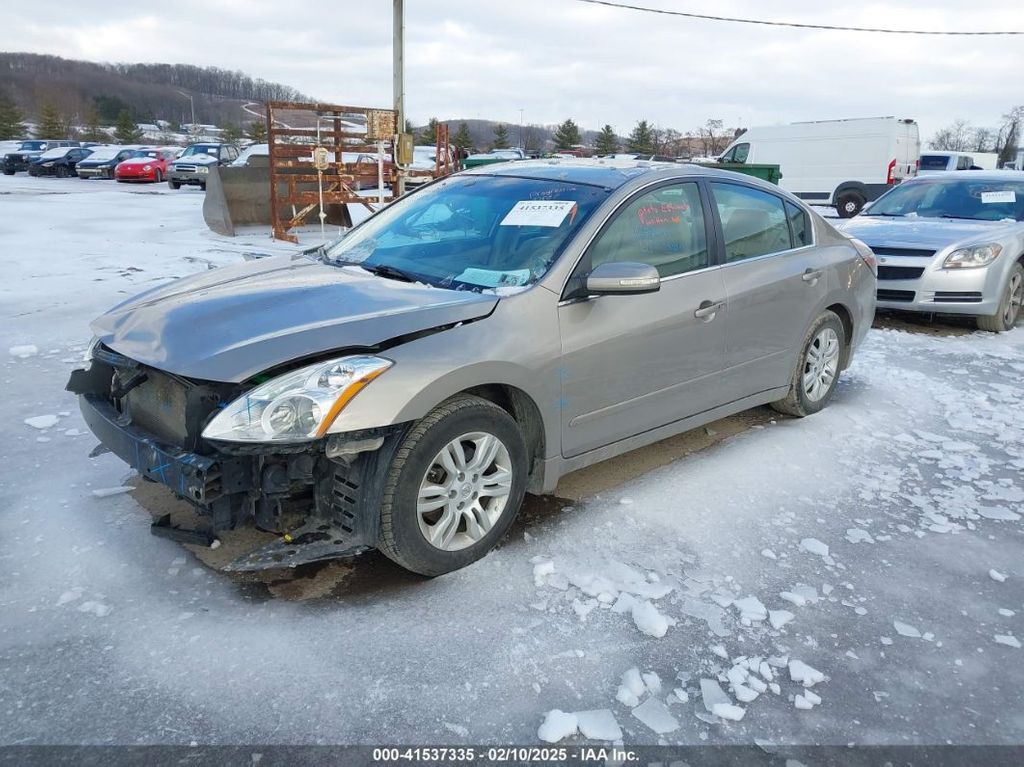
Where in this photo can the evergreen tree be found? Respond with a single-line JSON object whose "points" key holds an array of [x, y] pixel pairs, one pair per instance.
{"points": [[50, 123], [258, 131], [93, 130], [11, 125], [429, 134], [641, 140], [462, 139], [126, 131], [607, 142], [231, 133], [567, 136], [500, 136]]}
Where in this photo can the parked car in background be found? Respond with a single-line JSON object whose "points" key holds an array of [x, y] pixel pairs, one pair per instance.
{"points": [[59, 162], [842, 163], [950, 243], [19, 160], [377, 392], [494, 156], [424, 165], [251, 154], [938, 161], [192, 167], [103, 160], [145, 165]]}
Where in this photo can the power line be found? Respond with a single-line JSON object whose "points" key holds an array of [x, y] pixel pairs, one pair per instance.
{"points": [[665, 12]]}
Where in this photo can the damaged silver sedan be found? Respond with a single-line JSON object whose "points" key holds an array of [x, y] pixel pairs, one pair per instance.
{"points": [[404, 387]]}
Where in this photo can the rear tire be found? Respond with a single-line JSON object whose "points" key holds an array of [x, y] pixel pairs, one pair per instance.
{"points": [[849, 204], [1009, 307], [464, 499], [173, 184], [159, 176], [817, 373], [61, 171]]}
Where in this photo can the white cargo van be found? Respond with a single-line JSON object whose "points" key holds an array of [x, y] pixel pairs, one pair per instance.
{"points": [[937, 161], [844, 163]]}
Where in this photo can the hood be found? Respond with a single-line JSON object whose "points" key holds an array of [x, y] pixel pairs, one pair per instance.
{"points": [[197, 159], [231, 323], [140, 161], [925, 233]]}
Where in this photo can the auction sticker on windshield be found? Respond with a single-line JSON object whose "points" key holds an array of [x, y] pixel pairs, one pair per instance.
{"points": [[538, 213], [1004, 196]]}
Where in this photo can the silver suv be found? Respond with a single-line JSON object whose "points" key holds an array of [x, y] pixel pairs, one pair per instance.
{"points": [[474, 341], [193, 165]]}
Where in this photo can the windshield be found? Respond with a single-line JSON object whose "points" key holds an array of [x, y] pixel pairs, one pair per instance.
{"points": [[105, 152], [934, 161], [975, 199], [472, 232], [198, 149], [145, 153], [51, 154]]}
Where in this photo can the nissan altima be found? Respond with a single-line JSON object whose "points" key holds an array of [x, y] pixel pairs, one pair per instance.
{"points": [[950, 243], [405, 386]]}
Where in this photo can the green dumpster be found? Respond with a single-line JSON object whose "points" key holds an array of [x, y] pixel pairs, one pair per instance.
{"points": [[769, 173]]}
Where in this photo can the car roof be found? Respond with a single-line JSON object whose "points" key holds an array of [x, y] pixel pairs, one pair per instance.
{"points": [[607, 173], [955, 176]]}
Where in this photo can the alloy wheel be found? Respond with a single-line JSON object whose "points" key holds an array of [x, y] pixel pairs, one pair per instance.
{"points": [[821, 364], [464, 491], [1014, 299]]}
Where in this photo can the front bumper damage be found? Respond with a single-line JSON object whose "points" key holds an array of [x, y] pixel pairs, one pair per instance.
{"points": [[321, 499]]}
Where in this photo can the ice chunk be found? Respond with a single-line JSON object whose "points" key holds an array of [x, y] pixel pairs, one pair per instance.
{"points": [[744, 694], [633, 682], [107, 492], [802, 703], [801, 672], [779, 618], [69, 596], [583, 609], [906, 630], [756, 685], [999, 512], [996, 576], [814, 546], [625, 697], [541, 570], [656, 715], [856, 535], [98, 609], [728, 711], [768, 554], [42, 421], [557, 725], [812, 697], [625, 603], [626, 501], [712, 694], [458, 729], [681, 694], [1006, 613], [751, 609], [1007, 639], [649, 620], [719, 651], [652, 681], [23, 351], [599, 724]]}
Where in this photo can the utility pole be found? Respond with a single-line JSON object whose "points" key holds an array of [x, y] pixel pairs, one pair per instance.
{"points": [[521, 130], [398, 82]]}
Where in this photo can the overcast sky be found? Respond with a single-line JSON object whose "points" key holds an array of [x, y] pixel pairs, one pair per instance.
{"points": [[560, 58]]}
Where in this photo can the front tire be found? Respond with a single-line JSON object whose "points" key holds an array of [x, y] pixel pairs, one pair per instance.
{"points": [[454, 487], [159, 176], [817, 373], [849, 204], [62, 171], [173, 184], [1009, 307]]}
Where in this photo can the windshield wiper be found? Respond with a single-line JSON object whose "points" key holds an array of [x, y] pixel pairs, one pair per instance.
{"points": [[389, 272], [887, 215]]}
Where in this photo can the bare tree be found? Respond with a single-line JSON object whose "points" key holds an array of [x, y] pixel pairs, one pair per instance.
{"points": [[953, 138]]}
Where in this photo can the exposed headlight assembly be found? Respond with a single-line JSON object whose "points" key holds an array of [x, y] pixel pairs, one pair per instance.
{"points": [[202, 169], [972, 257], [298, 406]]}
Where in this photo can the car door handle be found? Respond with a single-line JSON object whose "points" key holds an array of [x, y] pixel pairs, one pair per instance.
{"points": [[811, 275], [707, 310]]}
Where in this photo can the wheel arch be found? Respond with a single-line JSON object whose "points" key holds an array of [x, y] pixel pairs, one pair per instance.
{"points": [[845, 317]]}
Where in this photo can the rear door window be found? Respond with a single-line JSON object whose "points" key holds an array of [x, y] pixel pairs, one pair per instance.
{"points": [[754, 223]]}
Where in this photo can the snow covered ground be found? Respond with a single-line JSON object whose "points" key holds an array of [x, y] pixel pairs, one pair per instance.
{"points": [[854, 577]]}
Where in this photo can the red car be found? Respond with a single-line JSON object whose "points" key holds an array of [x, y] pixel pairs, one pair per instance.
{"points": [[145, 165]]}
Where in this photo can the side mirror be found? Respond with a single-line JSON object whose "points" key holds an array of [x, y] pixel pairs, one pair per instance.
{"points": [[623, 278]]}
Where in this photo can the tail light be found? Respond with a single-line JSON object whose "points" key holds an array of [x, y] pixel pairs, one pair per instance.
{"points": [[867, 255], [890, 177]]}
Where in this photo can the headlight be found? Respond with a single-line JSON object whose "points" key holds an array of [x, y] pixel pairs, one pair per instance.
{"points": [[202, 169], [297, 406], [47, 164], [147, 168], [973, 257]]}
